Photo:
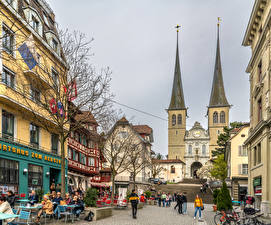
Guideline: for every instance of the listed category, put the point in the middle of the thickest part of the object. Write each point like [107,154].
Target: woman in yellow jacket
[198,205]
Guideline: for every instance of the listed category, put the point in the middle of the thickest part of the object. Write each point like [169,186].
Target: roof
[236,131]
[143,129]
[85,117]
[177,96]
[168,161]
[218,97]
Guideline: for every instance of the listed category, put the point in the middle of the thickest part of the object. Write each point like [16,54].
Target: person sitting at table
[11,198]
[5,208]
[67,199]
[56,202]
[79,206]
[47,207]
[33,198]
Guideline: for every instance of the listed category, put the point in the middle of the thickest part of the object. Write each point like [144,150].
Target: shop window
[8,40]
[91,161]
[34,94]
[179,119]
[54,143]
[9,174]
[35,175]
[173,120]
[172,169]
[8,77]
[215,117]
[203,149]
[34,135]
[7,124]
[222,117]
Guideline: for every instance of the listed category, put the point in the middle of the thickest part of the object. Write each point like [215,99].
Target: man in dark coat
[179,203]
[134,201]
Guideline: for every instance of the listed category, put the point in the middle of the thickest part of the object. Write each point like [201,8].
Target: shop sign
[28,153]
[257,182]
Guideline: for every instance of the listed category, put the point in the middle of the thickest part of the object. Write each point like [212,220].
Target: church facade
[194,147]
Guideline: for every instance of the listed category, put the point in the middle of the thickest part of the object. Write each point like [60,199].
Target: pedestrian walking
[170,199]
[177,202]
[167,200]
[198,206]
[163,198]
[134,201]
[184,206]
[159,199]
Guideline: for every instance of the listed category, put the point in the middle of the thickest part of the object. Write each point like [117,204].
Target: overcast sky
[137,40]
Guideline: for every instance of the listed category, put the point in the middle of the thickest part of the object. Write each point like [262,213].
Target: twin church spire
[217,98]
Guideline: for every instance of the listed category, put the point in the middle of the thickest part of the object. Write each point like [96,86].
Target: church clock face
[196,133]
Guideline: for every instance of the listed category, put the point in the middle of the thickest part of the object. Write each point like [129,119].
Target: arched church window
[215,117]
[173,120]
[222,117]
[203,149]
[190,150]
[179,119]
[172,169]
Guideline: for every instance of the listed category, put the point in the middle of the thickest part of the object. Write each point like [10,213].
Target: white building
[196,150]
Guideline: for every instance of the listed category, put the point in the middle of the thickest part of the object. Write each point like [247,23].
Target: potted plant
[91,197]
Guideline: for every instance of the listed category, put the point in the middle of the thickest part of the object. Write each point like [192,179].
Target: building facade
[197,150]
[237,160]
[29,153]
[257,36]
[182,142]
[127,139]
[83,152]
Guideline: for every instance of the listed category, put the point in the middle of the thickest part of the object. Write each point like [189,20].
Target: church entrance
[195,166]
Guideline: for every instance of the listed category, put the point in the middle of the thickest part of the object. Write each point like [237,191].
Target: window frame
[215,117]
[173,120]
[4,77]
[53,145]
[32,141]
[8,49]
[35,94]
[6,133]
[222,117]
[180,119]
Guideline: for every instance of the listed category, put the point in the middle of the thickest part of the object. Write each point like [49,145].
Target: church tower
[218,109]
[176,114]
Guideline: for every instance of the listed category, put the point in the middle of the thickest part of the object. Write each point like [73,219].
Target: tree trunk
[63,169]
[134,184]
[113,188]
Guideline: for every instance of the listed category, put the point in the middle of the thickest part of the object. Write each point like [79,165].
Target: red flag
[53,106]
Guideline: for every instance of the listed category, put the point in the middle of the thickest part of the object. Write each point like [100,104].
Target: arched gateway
[195,166]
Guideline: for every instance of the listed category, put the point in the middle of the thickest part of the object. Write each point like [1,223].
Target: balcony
[88,170]
[82,148]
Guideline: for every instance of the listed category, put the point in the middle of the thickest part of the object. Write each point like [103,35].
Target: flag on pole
[28,52]
[53,106]
[71,91]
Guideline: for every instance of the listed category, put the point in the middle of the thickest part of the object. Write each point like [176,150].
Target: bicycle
[225,218]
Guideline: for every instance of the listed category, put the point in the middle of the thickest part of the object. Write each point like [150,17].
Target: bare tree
[156,167]
[55,93]
[137,160]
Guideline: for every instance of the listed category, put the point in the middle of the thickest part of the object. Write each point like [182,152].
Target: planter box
[151,202]
[99,213]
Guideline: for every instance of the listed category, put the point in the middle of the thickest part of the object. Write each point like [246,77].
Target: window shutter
[239,150]
[240,169]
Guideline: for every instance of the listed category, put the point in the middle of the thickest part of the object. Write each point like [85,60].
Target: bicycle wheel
[218,220]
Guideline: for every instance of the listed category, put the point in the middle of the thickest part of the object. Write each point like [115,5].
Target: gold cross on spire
[178,27]
[218,21]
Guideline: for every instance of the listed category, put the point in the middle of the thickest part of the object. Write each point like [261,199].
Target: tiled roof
[168,161]
[86,117]
[143,129]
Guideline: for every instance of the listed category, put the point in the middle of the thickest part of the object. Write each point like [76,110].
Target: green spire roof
[177,96]
[218,97]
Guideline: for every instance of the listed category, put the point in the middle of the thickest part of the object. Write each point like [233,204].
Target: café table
[32,209]
[70,208]
[23,201]
[4,216]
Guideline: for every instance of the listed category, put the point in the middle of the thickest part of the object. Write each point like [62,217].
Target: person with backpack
[198,206]
[134,201]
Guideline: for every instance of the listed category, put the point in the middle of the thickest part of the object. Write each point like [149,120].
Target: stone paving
[154,215]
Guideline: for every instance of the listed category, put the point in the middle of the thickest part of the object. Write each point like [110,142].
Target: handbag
[202,207]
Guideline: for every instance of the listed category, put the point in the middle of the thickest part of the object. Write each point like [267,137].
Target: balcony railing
[82,168]
[78,146]
[13,140]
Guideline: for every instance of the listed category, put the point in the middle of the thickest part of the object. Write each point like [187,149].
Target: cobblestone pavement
[153,215]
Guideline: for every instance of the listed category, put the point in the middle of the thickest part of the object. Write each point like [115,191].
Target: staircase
[191,189]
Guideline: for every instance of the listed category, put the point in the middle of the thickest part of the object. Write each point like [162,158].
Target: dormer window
[54,44]
[35,24]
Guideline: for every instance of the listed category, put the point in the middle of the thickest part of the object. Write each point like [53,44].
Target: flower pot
[214,208]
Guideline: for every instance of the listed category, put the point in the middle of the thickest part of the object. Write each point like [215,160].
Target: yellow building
[257,36]
[31,60]
[237,160]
